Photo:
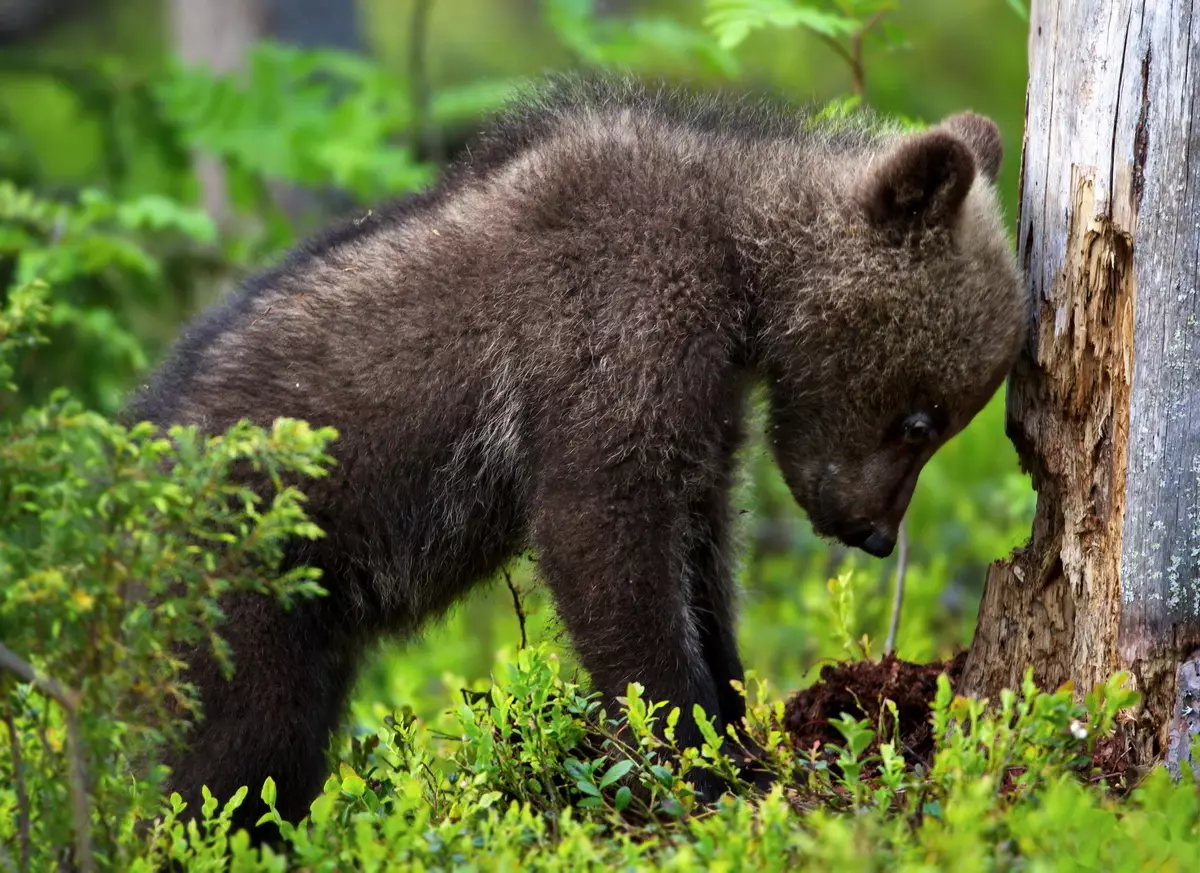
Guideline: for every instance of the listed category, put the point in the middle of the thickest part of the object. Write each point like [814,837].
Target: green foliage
[313,118]
[321,120]
[59,242]
[633,43]
[116,545]
[20,320]
[119,543]
[733,20]
[521,777]
[843,618]
[96,253]
[842,25]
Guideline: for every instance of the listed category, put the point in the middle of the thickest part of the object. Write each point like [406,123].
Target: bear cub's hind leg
[275,715]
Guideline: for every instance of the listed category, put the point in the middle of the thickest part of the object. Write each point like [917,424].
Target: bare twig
[853,56]
[856,51]
[69,699]
[424,129]
[898,597]
[516,596]
[24,671]
[23,822]
[837,48]
[79,797]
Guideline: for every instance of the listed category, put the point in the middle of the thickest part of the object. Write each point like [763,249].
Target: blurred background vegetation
[316,108]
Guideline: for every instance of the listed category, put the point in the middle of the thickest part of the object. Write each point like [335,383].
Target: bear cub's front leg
[614,551]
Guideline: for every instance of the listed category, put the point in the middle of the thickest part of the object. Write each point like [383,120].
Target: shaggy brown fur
[551,349]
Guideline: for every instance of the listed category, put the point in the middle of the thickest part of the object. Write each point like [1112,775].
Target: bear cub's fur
[551,349]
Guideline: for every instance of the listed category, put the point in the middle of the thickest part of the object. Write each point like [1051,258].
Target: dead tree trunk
[216,34]
[1104,407]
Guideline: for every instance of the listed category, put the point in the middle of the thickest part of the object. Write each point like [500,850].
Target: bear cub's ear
[982,136]
[921,182]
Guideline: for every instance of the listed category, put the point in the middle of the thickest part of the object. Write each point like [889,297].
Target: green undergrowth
[527,775]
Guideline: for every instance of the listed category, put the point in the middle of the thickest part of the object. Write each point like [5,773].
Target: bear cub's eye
[918,430]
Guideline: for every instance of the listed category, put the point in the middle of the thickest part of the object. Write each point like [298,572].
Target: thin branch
[23,821]
[837,48]
[516,596]
[424,128]
[25,671]
[898,596]
[854,55]
[856,51]
[79,797]
[69,700]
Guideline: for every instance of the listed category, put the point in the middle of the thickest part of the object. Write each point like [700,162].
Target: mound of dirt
[859,688]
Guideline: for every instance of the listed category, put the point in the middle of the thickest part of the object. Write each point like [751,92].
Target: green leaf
[236,800]
[1019,7]
[664,776]
[707,730]
[623,799]
[209,804]
[352,783]
[616,772]
[268,792]
[733,20]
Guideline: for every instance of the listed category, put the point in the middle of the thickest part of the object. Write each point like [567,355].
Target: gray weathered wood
[216,34]
[1160,556]
[1105,406]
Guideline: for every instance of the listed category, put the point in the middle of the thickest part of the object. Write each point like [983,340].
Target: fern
[59,241]
[633,43]
[733,20]
[91,250]
[312,118]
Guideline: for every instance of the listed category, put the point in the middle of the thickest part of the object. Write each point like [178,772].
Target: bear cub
[552,349]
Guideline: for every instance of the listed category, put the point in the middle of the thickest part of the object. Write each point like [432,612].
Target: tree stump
[1104,406]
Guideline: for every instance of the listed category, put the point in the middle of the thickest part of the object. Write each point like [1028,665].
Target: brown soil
[859,688]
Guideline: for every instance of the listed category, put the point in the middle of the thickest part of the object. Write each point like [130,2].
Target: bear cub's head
[897,315]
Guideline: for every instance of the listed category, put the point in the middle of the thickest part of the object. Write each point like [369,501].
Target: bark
[1104,406]
[312,24]
[216,34]
[219,34]
[315,23]
[23,18]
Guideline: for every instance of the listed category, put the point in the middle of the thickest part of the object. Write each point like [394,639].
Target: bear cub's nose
[878,544]
[873,542]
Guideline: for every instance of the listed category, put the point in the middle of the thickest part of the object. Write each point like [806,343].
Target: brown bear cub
[551,349]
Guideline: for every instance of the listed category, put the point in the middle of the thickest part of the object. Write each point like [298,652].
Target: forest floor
[860,689]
